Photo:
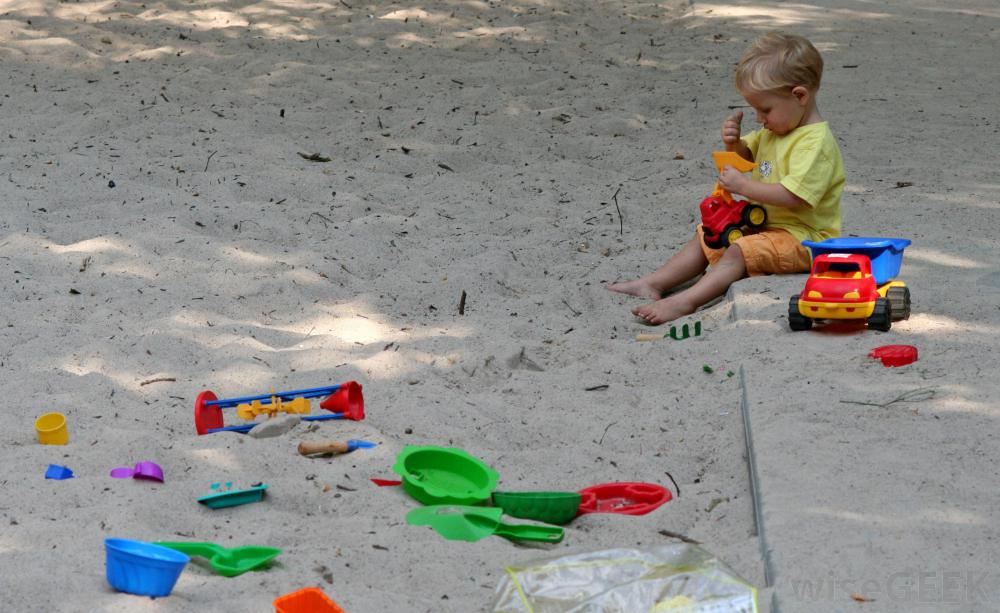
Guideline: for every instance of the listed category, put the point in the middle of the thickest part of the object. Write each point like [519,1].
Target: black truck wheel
[899,300]
[881,318]
[797,321]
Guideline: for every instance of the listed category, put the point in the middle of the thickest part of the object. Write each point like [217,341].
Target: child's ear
[802,94]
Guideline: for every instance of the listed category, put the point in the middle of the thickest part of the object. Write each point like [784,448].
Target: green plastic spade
[228,562]
[465,523]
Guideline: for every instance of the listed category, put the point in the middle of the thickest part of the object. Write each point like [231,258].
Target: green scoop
[228,562]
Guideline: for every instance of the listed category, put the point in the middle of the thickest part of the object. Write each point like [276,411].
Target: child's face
[779,112]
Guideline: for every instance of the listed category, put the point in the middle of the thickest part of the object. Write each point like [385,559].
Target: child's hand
[732,180]
[731,130]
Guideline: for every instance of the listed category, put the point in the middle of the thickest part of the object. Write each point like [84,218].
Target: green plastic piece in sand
[444,475]
[465,523]
[685,331]
[228,562]
[549,507]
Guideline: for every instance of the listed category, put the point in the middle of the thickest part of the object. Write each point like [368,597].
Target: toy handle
[204,550]
[307,448]
[649,337]
[529,532]
[723,193]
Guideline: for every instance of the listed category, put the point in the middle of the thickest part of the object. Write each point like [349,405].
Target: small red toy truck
[722,218]
[723,221]
[851,278]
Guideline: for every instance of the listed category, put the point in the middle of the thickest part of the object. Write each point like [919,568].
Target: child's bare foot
[662,311]
[636,287]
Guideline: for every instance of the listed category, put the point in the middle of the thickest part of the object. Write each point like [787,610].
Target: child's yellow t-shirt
[807,162]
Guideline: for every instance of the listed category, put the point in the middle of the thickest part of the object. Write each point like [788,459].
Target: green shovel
[228,562]
[465,523]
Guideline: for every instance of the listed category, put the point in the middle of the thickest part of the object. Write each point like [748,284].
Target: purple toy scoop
[149,471]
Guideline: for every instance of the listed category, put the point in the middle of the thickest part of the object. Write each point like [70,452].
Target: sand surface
[163,233]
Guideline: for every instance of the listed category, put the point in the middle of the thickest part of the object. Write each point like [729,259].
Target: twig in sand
[917,395]
[461,304]
[158,380]
[313,157]
[238,226]
[209,160]
[601,442]
[676,487]
[678,535]
[575,312]
[326,220]
[621,224]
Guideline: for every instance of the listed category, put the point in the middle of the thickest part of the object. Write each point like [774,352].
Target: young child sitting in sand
[798,179]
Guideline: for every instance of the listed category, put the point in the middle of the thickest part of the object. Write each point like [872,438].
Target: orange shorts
[767,251]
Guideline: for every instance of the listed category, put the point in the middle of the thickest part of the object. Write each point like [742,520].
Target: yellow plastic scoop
[731,158]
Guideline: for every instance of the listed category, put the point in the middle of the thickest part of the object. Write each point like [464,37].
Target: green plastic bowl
[549,507]
[444,475]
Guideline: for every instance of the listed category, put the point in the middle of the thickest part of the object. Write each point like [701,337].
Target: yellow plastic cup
[51,429]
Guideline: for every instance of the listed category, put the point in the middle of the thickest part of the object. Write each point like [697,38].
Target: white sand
[475,147]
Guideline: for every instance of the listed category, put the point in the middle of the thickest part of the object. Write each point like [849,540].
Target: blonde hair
[779,62]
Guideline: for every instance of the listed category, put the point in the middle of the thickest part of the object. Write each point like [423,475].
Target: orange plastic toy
[730,158]
[306,600]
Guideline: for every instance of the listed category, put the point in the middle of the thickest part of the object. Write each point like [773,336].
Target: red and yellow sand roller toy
[344,401]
